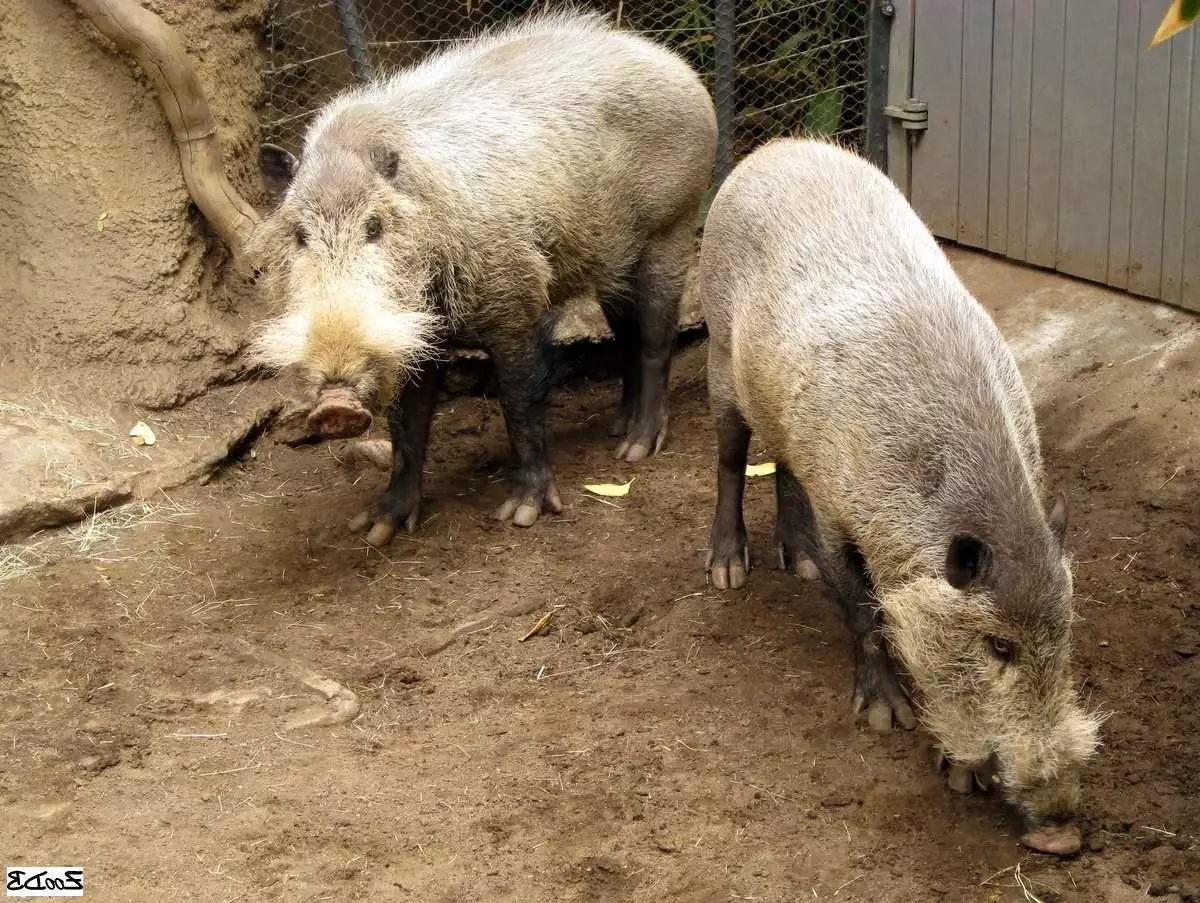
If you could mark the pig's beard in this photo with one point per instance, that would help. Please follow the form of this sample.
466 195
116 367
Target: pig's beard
335 328
1036 734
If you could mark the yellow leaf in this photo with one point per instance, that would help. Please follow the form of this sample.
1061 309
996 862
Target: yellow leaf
142 434
1173 23
611 490
541 624
760 470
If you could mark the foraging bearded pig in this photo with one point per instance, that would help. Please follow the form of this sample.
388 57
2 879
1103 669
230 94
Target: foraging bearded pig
462 201
908 467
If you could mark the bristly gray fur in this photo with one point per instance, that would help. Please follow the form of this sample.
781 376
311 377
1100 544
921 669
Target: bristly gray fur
531 162
851 348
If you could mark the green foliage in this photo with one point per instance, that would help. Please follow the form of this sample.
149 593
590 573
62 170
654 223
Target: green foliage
799 63
823 114
689 29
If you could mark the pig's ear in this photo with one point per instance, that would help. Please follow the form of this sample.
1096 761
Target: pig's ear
278 168
386 161
968 561
1058 519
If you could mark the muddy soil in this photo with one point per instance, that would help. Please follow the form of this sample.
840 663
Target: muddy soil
227 696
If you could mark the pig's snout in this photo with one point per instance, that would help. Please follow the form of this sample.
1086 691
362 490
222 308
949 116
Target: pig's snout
1055 838
1050 810
1056 835
338 414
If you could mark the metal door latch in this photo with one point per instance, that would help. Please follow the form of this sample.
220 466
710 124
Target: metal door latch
912 115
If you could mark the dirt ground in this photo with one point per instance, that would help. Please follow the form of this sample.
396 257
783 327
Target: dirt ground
223 695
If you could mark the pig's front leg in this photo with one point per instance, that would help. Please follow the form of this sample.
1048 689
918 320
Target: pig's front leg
525 373
877 687
409 417
808 549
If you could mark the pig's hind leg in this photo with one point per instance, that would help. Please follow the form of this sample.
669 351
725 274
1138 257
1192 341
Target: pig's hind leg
795 527
621 314
409 418
658 278
729 548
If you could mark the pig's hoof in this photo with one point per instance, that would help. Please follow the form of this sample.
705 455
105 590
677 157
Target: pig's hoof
881 716
879 694
1058 840
338 414
960 779
360 522
966 779
729 571
641 443
380 534
381 530
524 508
621 424
796 563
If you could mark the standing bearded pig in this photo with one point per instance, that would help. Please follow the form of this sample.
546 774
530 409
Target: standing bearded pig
909 473
462 202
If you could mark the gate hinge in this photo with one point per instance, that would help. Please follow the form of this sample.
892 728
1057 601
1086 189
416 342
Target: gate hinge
913 114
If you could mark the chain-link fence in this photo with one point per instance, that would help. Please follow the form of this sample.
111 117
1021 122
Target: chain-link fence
776 67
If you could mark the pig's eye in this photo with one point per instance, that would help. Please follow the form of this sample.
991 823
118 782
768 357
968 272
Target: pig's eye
301 236
1002 649
374 228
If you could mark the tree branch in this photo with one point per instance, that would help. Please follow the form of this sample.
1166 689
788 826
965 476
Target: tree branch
155 47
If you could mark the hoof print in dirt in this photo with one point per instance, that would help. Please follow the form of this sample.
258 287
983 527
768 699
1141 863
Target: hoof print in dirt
100 761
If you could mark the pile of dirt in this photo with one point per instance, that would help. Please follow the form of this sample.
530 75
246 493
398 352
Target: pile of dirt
111 282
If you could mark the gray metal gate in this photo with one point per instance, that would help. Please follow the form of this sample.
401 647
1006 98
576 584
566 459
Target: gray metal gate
1044 130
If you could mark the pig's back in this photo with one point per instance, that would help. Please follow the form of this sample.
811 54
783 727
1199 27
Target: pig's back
857 353
560 119
561 97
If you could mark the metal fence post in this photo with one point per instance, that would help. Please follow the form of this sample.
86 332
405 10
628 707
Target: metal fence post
879 30
356 43
723 82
